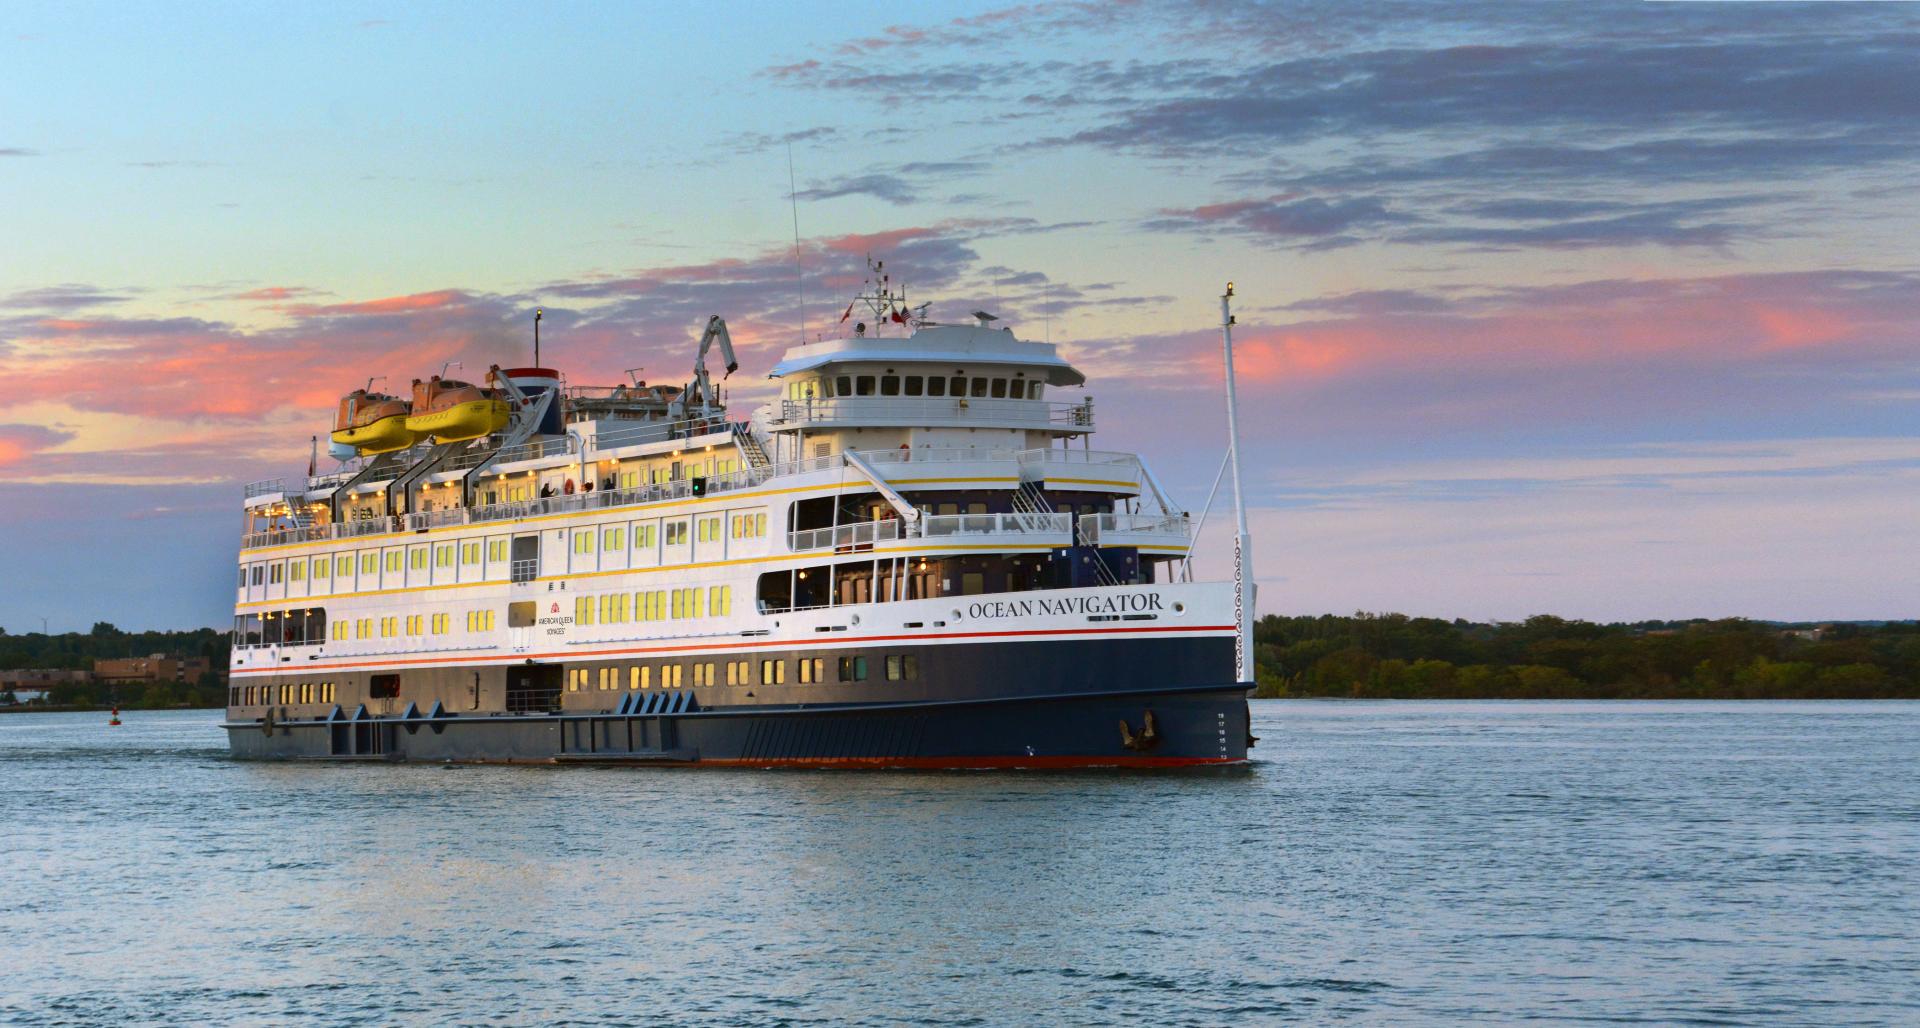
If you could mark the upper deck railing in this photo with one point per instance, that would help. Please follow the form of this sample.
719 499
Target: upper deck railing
745 478
1167 529
934 411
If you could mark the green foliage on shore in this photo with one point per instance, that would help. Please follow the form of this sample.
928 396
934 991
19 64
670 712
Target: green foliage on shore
1392 656
80 649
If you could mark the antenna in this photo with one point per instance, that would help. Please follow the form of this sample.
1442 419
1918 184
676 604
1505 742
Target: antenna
536 335
449 364
799 276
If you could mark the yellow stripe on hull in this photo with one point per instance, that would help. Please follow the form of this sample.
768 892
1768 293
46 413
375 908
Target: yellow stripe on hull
384 436
469 420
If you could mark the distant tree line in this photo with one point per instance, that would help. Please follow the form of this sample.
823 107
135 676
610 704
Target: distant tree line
80 649
1392 656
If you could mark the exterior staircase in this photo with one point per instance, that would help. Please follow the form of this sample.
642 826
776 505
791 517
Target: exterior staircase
750 447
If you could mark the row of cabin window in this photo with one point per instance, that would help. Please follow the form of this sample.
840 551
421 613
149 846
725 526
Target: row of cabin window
653 605
916 385
411 624
807 671
289 693
638 676
444 555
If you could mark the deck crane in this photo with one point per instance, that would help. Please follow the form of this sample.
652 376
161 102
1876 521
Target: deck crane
700 390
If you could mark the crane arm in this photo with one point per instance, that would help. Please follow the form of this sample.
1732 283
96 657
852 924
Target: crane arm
717 332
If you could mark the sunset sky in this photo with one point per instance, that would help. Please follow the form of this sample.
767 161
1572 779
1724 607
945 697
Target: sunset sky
1602 310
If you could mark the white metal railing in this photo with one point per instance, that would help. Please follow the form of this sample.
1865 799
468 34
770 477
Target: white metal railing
437 518
533 450
1057 528
840 537
658 431
1064 455
381 525
264 487
334 478
744 478
933 410
940 526
934 455
1168 527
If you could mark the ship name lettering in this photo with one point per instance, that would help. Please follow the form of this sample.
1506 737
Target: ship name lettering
1121 604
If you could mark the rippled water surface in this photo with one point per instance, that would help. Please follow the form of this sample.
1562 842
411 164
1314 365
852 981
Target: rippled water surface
1381 863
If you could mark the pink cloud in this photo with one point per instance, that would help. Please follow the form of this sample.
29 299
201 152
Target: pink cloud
20 442
268 294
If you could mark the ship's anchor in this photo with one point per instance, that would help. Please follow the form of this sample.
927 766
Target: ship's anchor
1148 738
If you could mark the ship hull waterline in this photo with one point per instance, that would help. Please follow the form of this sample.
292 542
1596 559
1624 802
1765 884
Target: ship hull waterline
1191 727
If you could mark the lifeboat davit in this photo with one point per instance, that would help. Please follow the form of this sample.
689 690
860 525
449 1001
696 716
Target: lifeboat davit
451 411
372 423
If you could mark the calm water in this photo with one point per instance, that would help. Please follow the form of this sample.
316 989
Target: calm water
1384 862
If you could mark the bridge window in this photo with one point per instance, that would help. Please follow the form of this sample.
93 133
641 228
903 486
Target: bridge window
914 383
863 385
936 387
843 386
999 388
1033 390
889 385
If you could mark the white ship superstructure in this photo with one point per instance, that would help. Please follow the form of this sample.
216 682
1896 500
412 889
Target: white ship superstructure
855 574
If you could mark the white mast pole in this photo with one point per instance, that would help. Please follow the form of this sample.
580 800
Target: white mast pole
1242 541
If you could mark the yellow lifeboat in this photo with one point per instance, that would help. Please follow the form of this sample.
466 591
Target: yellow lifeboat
373 422
451 411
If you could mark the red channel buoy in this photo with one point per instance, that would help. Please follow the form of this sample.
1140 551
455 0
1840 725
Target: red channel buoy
116 715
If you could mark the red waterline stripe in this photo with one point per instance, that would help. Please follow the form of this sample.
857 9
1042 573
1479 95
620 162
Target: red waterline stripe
957 763
790 644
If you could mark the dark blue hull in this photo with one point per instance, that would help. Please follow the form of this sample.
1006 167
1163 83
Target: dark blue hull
1062 703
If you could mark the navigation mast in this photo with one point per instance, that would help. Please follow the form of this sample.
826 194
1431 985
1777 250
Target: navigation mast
1242 541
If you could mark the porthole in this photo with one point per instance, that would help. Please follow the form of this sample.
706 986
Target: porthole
1179 608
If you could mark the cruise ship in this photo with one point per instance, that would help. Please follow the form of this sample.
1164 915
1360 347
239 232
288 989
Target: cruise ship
913 556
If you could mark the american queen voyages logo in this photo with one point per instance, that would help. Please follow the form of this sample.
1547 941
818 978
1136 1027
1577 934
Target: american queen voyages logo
555 622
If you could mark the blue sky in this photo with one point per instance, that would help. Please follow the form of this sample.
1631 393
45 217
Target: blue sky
1604 310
